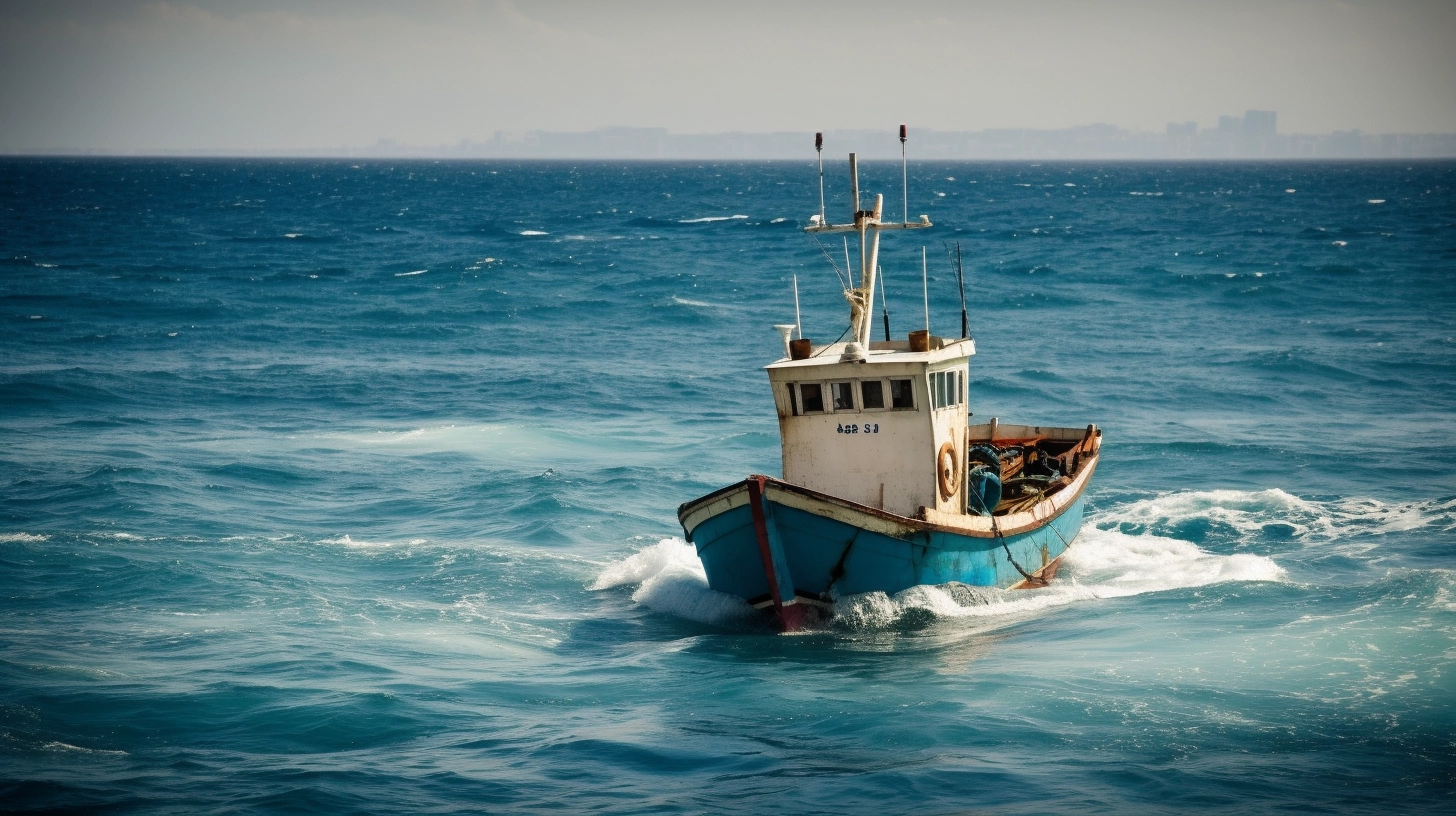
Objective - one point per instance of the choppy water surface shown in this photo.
(351, 488)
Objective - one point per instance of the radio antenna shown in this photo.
(819, 148)
(904, 176)
(925, 287)
(883, 305)
(961, 281)
(798, 321)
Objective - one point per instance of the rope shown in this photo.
(996, 528)
(836, 340)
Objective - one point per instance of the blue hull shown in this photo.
(821, 548)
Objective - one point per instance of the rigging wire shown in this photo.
(830, 259)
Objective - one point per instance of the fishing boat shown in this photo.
(886, 485)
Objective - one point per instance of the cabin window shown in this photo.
(793, 400)
(813, 397)
(872, 394)
(843, 395)
(902, 394)
(947, 388)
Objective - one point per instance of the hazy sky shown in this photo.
(271, 75)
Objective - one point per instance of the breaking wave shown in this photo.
(1274, 511)
(670, 580)
(712, 218)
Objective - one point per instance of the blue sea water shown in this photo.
(350, 487)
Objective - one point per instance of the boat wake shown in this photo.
(1128, 550)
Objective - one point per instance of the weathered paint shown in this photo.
(776, 572)
(894, 468)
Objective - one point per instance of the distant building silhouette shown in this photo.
(1260, 124)
(1255, 135)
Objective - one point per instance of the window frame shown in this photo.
(803, 405)
(914, 401)
(947, 388)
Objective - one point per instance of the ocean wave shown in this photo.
(22, 538)
(362, 544)
(1274, 512)
(710, 218)
(65, 747)
(682, 301)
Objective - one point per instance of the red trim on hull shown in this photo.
(790, 615)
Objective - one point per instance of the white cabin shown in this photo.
(876, 428)
(881, 424)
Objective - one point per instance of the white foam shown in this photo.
(1251, 512)
(712, 218)
(292, 235)
(1113, 564)
(1107, 560)
(22, 538)
(1340, 243)
(407, 274)
(360, 544)
(1376, 201)
(1246, 511)
(1101, 564)
(68, 748)
(671, 580)
(681, 301)
(534, 232)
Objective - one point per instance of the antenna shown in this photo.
(904, 176)
(819, 148)
(961, 281)
(925, 287)
(885, 306)
(798, 321)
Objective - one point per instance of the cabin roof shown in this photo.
(895, 351)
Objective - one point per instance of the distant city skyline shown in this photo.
(271, 76)
(1254, 135)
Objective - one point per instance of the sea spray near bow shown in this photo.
(287, 527)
